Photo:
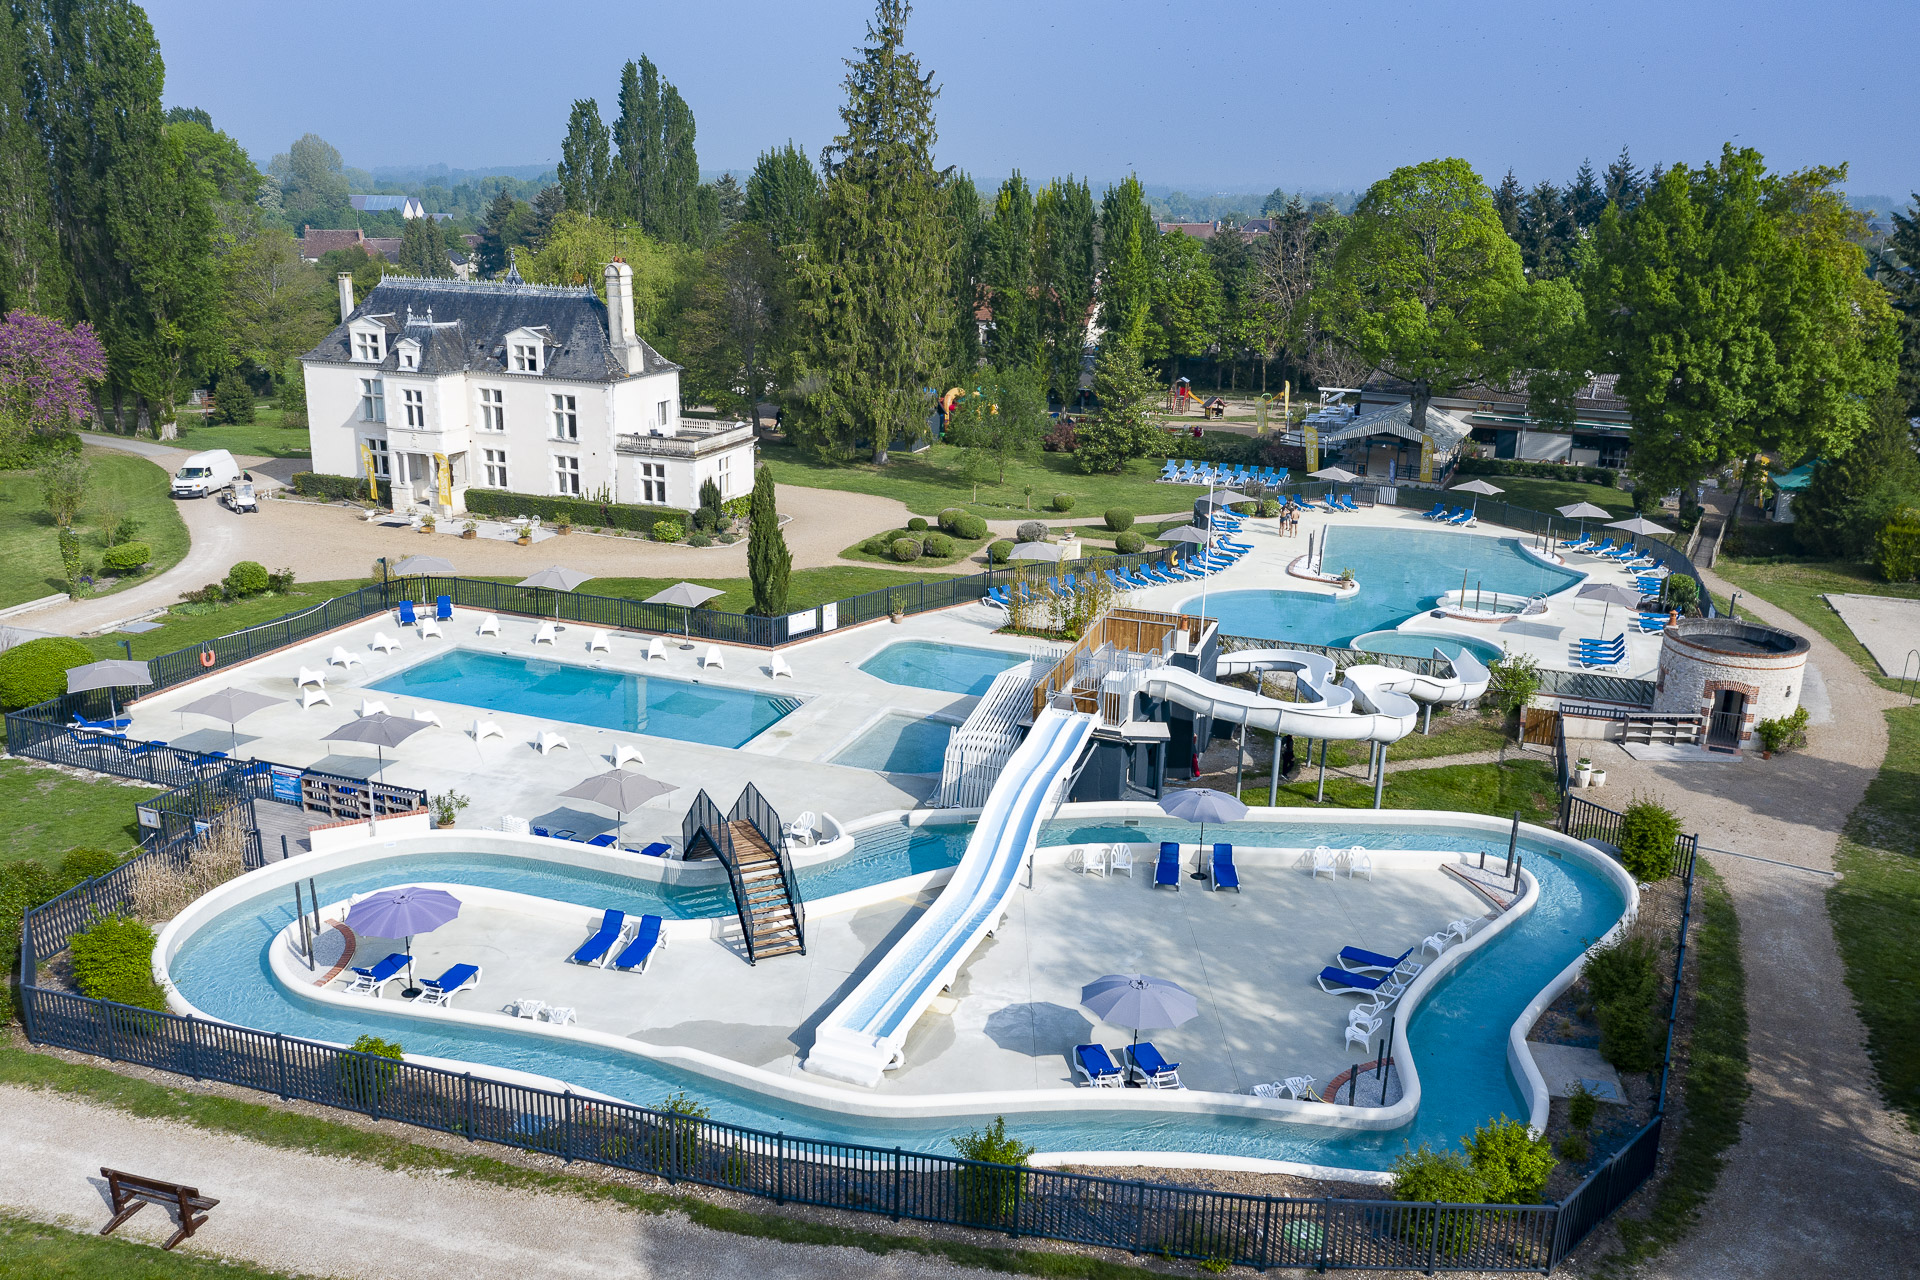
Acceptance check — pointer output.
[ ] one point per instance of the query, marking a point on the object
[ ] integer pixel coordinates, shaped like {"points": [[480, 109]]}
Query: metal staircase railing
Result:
{"points": [[752, 808], [704, 821]]}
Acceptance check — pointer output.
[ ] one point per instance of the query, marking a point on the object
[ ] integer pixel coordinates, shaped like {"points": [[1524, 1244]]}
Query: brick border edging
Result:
{"points": [[1338, 1082], [346, 956]]}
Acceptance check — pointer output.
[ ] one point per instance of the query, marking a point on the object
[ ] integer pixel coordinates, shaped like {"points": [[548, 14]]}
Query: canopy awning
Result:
{"points": [[1397, 420]]}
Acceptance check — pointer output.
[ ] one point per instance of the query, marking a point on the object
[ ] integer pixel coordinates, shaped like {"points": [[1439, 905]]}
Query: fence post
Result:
{"points": [[280, 1062], [468, 1091], [193, 1049], [895, 1215], [780, 1167]]}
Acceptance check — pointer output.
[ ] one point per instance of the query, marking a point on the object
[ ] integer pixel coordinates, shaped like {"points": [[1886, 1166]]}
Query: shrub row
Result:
{"points": [[315, 484], [575, 511], [1605, 476], [29, 449]]}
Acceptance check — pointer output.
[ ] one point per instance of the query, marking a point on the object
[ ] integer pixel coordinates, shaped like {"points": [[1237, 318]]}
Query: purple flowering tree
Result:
{"points": [[47, 371]]}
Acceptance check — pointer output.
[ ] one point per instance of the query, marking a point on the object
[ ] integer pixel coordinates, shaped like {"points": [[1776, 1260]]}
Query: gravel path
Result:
{"points": [[1824, 1181], [317, 1215]]}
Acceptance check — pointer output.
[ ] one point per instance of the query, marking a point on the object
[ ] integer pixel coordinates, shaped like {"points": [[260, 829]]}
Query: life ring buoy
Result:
{"points": [[207, 658]]}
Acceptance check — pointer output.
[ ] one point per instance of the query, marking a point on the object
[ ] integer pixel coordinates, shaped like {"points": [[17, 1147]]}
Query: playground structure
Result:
{"points": [[1181, 397]]}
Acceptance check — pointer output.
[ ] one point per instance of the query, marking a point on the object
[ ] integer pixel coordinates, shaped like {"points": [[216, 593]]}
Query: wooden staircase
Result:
{"points": [[750, 843]]}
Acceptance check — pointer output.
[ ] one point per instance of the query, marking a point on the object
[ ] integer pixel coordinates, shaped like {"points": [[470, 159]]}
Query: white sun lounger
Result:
{"points": [[309, 676], [309, 696], [341, 658], [487, 729], [489, 625], [547, 632], [428, 627], [373, 707], [548, 740], [625, 751], [383, 642], [600, 640], [426, 716], [656, 648], [778, 666], [713, 658]]}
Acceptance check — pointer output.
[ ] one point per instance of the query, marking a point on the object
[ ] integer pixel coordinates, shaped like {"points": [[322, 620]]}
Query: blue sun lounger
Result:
{"points": [[1225, 876], [1346, 983], [604, 840], [443, 608], [1152, 1069], [594, 950], [406, 614], [658, 849], [373, 981], [439, 991], [1166, 869], [645, 942], [1360, 960], [1093, 1062]]}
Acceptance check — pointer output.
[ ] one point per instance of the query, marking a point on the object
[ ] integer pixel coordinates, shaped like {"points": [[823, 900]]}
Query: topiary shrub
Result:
{"points": [[37, 670], [1032, 531], [1440, 1177], [704, 519], [1129, 542], [1063, 502], [113, 960], [938, 544], [668, 531], [126, 558], [997, 552], [1119, 519], [85, 863], [248, 578], [949, 519], [1647, 832], [906, 550], [877, 545], [969, 526], [917, 525], [1511, 1159], [700, 540]]}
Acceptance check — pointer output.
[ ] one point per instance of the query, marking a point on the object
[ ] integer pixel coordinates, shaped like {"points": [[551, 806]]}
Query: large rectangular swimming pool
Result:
{"points": [[950, 668], [716, 715]]}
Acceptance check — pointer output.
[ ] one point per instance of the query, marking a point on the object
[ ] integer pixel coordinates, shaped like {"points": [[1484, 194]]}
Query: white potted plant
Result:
{"points": [[1583, 772]]}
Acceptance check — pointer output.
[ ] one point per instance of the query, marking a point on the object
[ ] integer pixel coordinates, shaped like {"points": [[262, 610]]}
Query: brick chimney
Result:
{"points": [[345, 281], [620, 333]]}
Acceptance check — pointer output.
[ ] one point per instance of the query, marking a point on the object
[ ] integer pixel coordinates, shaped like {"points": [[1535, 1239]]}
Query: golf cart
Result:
{"points": [[240, 498]]}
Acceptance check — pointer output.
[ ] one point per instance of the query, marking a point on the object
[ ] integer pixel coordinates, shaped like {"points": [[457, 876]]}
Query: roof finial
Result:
{"points": [[513, 268]]}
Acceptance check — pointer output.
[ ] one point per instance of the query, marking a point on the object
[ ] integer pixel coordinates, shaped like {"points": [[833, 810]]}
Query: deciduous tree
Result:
{"points": [[1063, 269], [1013, 341], [584, 164], [1126, 263]]}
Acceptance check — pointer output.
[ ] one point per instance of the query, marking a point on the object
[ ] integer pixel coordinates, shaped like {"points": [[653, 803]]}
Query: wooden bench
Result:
{"points": [[131, 1193]]}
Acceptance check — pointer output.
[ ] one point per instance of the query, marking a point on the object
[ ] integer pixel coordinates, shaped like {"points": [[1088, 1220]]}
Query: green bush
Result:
{"points": [[704, 519], [248, 578], [85, 863], [126, 558], [916, 525], [1573, 1147], [1582, 1106], [969, 526], [503, 504], [991, 1195], [366, 1079], [700, 540], [667, 531], [1896, 548], [938, 544], [1438, 1177], [26, 450], [878, 545], [1119, 519], [315, 484], [113, 960], [1604, 476], [1063, 502], [1785, 731], [1032, 531], [1683, 592], [906, 550], [949, 519], [1647, 832], [1512, 1160], [23, 886], [1623, 983], [997, 552], [1128, 542], [37, 670], [1269, 507]]}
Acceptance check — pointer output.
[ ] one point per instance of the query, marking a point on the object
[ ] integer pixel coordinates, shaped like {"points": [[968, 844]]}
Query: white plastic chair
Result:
{"points": [[383, 642], [526, 1007], [489, 625], [426, 716], [373, 707], [429, 627], [1292, 1086], [1461, 929], [547, 632], [548, 740], [1437, 942], [600, 640], [626, 751], [656, 648], [778, 666], [713, 658], [1359, 860], [1120, 858], [1362, 1031], [1323, 861], [487, 729], [1077, 858], [559, 1014], [310, 696], [341, 658], [804, 830], [309, 676]]}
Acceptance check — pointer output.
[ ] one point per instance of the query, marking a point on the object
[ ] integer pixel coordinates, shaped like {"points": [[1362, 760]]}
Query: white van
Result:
{"points": [[205, 473]]}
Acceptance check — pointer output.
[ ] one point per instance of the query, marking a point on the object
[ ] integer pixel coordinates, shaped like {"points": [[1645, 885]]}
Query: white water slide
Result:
{"points": [[862, 1036], [1376, 704]]}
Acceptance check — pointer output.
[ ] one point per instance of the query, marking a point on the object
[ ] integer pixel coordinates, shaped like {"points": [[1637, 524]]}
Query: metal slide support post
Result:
{"points": [[1380, 777], [1426, 730], [1273, 780], [1321, 798], [1240, 761]]}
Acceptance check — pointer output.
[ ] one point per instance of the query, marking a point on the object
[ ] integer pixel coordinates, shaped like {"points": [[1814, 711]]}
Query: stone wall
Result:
{"points": [[1701, 658]]}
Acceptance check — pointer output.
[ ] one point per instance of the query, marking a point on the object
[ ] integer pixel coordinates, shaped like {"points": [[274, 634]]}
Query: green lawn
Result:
{"points": [[121, 487], [1797, 586], [1524, 784], [264, 436], [1453, 734], [1546, 495], [1875, 907], [930, 482], [964, 549], [187, 624], [33, 1251], [49, 812]]}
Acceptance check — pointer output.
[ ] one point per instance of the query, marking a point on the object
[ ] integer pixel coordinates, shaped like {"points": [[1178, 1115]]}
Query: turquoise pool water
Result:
{"points": [[1458, 1034], [899, 744], [951, 668], [717, 715], [1419, 644], [1401, 572]]}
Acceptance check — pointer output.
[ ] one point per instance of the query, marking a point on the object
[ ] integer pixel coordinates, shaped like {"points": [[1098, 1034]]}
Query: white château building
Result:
{"points": [[433, 387]]}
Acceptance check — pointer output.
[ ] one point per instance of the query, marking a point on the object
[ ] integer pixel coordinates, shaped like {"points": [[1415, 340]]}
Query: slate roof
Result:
{"points": [[315, 241], [1598, 393], [462, 326]]}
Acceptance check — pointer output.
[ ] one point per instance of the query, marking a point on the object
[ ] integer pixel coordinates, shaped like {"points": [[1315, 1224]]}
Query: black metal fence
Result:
{"points": [[1593, 686], [1585, 820]]}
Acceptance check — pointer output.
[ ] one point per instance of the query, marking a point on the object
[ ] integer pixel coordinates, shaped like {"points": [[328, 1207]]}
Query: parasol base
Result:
{"points": [[410, 993]]}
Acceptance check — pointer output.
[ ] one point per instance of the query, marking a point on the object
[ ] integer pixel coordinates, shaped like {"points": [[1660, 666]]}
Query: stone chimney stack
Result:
{"points": [[620, 332], [345, 281]]}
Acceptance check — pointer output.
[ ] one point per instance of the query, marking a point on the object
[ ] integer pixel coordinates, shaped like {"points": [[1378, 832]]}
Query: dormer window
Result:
{"points": [[368, 345], [526, 357], [409, 357]]}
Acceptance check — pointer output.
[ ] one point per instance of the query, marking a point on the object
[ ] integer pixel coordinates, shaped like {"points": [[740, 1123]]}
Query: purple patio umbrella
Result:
{"points": [[401, 913], [1138, 1001]]}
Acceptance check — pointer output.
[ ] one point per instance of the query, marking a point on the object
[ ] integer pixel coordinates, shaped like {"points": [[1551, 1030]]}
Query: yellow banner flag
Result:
{"points": [[1313, 447], [445, 473], [366, 465], [1426, 458], [1260, 415]]}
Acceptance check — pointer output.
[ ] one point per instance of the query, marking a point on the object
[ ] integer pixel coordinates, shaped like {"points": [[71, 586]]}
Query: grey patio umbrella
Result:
{"points": [[1338, 475], [1035, 551], [1202, 805], [1226, 497], [688, 595], [424, 565], [620, 790], [1583, 512], [555, 579], [1610, 594], [1639, 526], [1138, 1001], [231, 705], [380, 729], [1477, 487], [1185, 533], [110, 674], [401, 913]]}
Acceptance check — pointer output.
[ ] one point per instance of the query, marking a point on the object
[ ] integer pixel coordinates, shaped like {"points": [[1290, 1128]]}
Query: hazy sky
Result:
{"points": [[1199, 96]]}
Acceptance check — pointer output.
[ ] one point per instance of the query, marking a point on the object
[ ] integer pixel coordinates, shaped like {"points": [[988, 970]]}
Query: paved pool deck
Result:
{"points": [[1012, 1017]]}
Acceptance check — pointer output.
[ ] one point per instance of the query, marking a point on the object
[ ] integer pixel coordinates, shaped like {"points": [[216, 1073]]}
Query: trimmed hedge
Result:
{"points": [[315, 484], [1063, 502], [577, 511], [906, 550], [938, 544], [917, 525], [37, 670], [997, 553], [113, 960], [127, 557], [1606, 476], [1128, 542], [1119, 519], [970, 526]]}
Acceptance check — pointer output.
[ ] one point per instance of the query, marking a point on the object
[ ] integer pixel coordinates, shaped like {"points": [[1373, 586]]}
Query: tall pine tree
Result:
{"points": [[783, 193], [422, 250], [584, 164], [1586, 198], [875, 285], [33, 275], [1624, 184], [1900, 273], [769, 562]]}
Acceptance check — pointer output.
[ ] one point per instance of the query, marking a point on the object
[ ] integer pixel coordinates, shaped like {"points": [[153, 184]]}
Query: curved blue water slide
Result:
{"points": [[861, 1037]]}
